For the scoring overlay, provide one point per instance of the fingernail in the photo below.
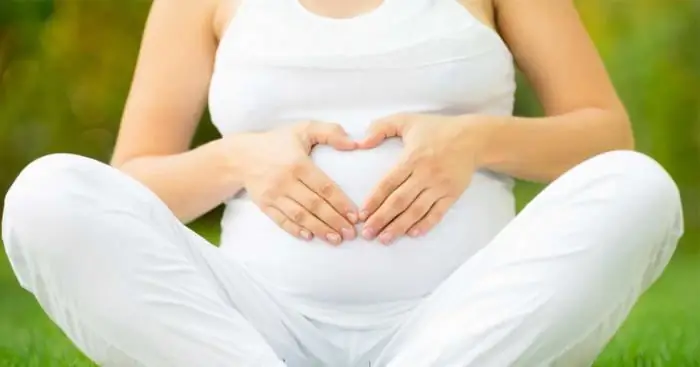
(386, 238)
(333, 238)
(414, 232)
(363, 215)
(305, 234)
(368, 233)
(352, 217)
(348, 233)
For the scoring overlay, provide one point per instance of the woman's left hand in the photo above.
(439, 159)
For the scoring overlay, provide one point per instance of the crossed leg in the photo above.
(130, 285)
(554, 286)
(126, 281)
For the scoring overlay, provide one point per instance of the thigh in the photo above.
(557, 282)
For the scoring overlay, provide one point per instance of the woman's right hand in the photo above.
(282, 180)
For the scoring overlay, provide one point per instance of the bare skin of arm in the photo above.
(165, 103)
(584, 115)
(168, 95)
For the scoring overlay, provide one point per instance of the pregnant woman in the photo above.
(367, 160)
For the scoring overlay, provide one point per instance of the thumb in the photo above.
(383, 129)
(330, 134)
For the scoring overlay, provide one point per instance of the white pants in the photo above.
(130, 285)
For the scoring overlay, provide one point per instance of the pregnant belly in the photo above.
(361, 271)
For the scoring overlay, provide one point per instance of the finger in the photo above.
(321, 209)
(383, 129)
(433, 217)
(331, 134)
(397, 202)
(302, 217)
(324, 187)
(285, 223)
(412, 215)
(386, 186)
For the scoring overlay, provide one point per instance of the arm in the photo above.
(584, 115)
(584, 118)
(165, 103)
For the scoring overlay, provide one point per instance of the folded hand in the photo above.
(436, 167)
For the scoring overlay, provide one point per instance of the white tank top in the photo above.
(279, 63)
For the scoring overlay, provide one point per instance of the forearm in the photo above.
(190, 183)
(541, 149)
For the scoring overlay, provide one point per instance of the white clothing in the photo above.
(130, 285)
(278, 63)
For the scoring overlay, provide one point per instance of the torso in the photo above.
(280, 61)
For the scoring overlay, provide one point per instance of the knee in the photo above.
(50, 185)
(57, 194)
(638, 181)
(37, 206)
(637, 172)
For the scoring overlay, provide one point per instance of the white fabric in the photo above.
(130, 285)
(278, 63)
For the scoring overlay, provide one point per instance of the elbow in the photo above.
(118, 161)
(117, 164)
(628, 143)
(123, 163)
(619, 127)
(625, 136)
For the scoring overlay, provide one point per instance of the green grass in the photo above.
(663, 329)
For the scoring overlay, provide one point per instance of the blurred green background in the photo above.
(65, 69)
